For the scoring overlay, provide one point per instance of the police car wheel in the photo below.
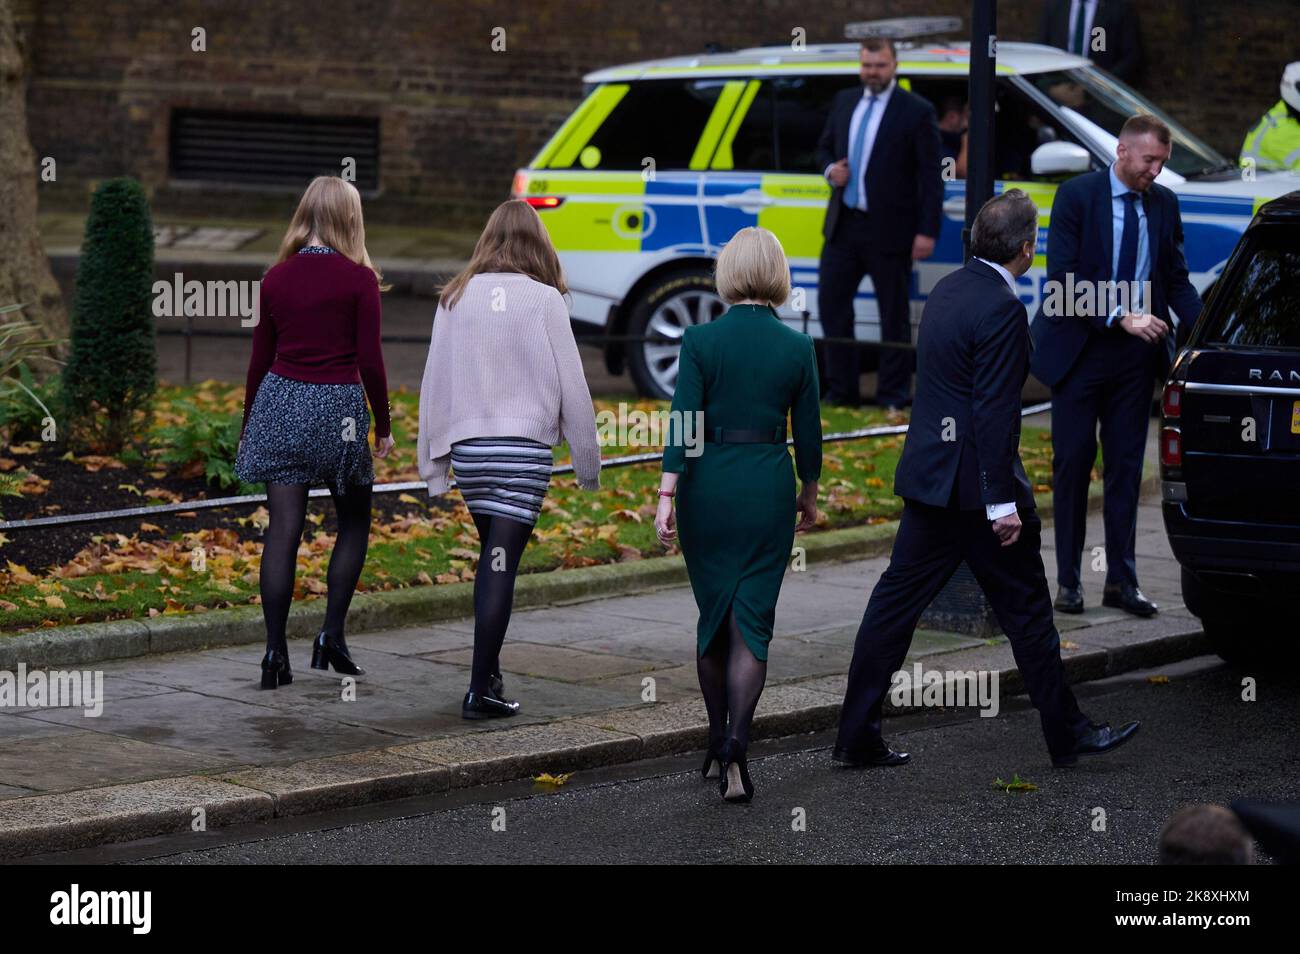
(666, 308)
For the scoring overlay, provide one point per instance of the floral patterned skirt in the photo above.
(300, 432)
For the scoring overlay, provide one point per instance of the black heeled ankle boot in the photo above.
(275, 669)
(486, 705)
(326, 652)
(734, 781)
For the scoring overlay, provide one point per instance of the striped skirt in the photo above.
(502, 476)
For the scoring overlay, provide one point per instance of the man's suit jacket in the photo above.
(903, 178)
(972, 356)
(1080, 242)
(1123, 53)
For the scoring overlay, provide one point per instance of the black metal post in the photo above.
(189, 347)
(961, 605)
(979, 142)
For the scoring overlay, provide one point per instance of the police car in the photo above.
(663, 161)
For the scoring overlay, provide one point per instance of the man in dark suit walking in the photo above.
(1115, 265)
(966, 496)
(880, 152)
(1104, 31)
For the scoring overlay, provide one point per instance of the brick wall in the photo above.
(457, 118)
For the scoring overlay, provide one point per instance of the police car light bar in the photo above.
(902, 28)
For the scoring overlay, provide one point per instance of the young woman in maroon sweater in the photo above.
(315, 345)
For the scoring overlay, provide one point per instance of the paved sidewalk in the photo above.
(199, 723)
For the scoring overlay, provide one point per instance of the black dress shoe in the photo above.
(733, 780)
(1129, 598)
(1069, 599)
(487, 705)
(878, 756)
(275, 669)
(329, 651)
(1099, 738)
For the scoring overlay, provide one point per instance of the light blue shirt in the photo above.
(1089, 13)
(859, 173)
(1143, 272)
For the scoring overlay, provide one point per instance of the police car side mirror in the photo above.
(1057, 158)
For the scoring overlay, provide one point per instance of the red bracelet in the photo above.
(667, 493)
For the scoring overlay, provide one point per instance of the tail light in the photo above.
(544, 201)
(1171, 447)
(1171, 402)
(520, 186)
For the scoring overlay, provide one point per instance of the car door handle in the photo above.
(955, 208)
(747, 199)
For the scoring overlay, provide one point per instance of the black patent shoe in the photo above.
(1129, 598)
(275, 669)
(733, 780)
(326, 652)
(879, 755)
(1099, 738)
(487, 705)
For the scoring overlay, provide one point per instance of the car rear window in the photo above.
(1261, 306)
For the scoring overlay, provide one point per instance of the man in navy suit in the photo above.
(966, 497)
(880, 153)
(1115, 266)
(1105, 31)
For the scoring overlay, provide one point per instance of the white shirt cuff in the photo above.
(997, 511)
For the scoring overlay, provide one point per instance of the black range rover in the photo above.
(1230, 446)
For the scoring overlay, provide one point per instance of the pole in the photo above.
(979, 144)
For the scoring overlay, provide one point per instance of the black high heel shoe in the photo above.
(712, 767)
(487, 705)
(734, 782)
(326, 652)
(275, 669)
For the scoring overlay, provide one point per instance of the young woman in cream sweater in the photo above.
(503, 384)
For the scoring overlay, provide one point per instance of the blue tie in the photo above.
(855, 157)
(1128, 244)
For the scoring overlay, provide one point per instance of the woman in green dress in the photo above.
(727, 463)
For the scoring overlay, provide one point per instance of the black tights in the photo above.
(501, 545)
(287, 504)
(731, 678)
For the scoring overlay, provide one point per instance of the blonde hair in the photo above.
(753, 266)
(330, 208)
(514, 240)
